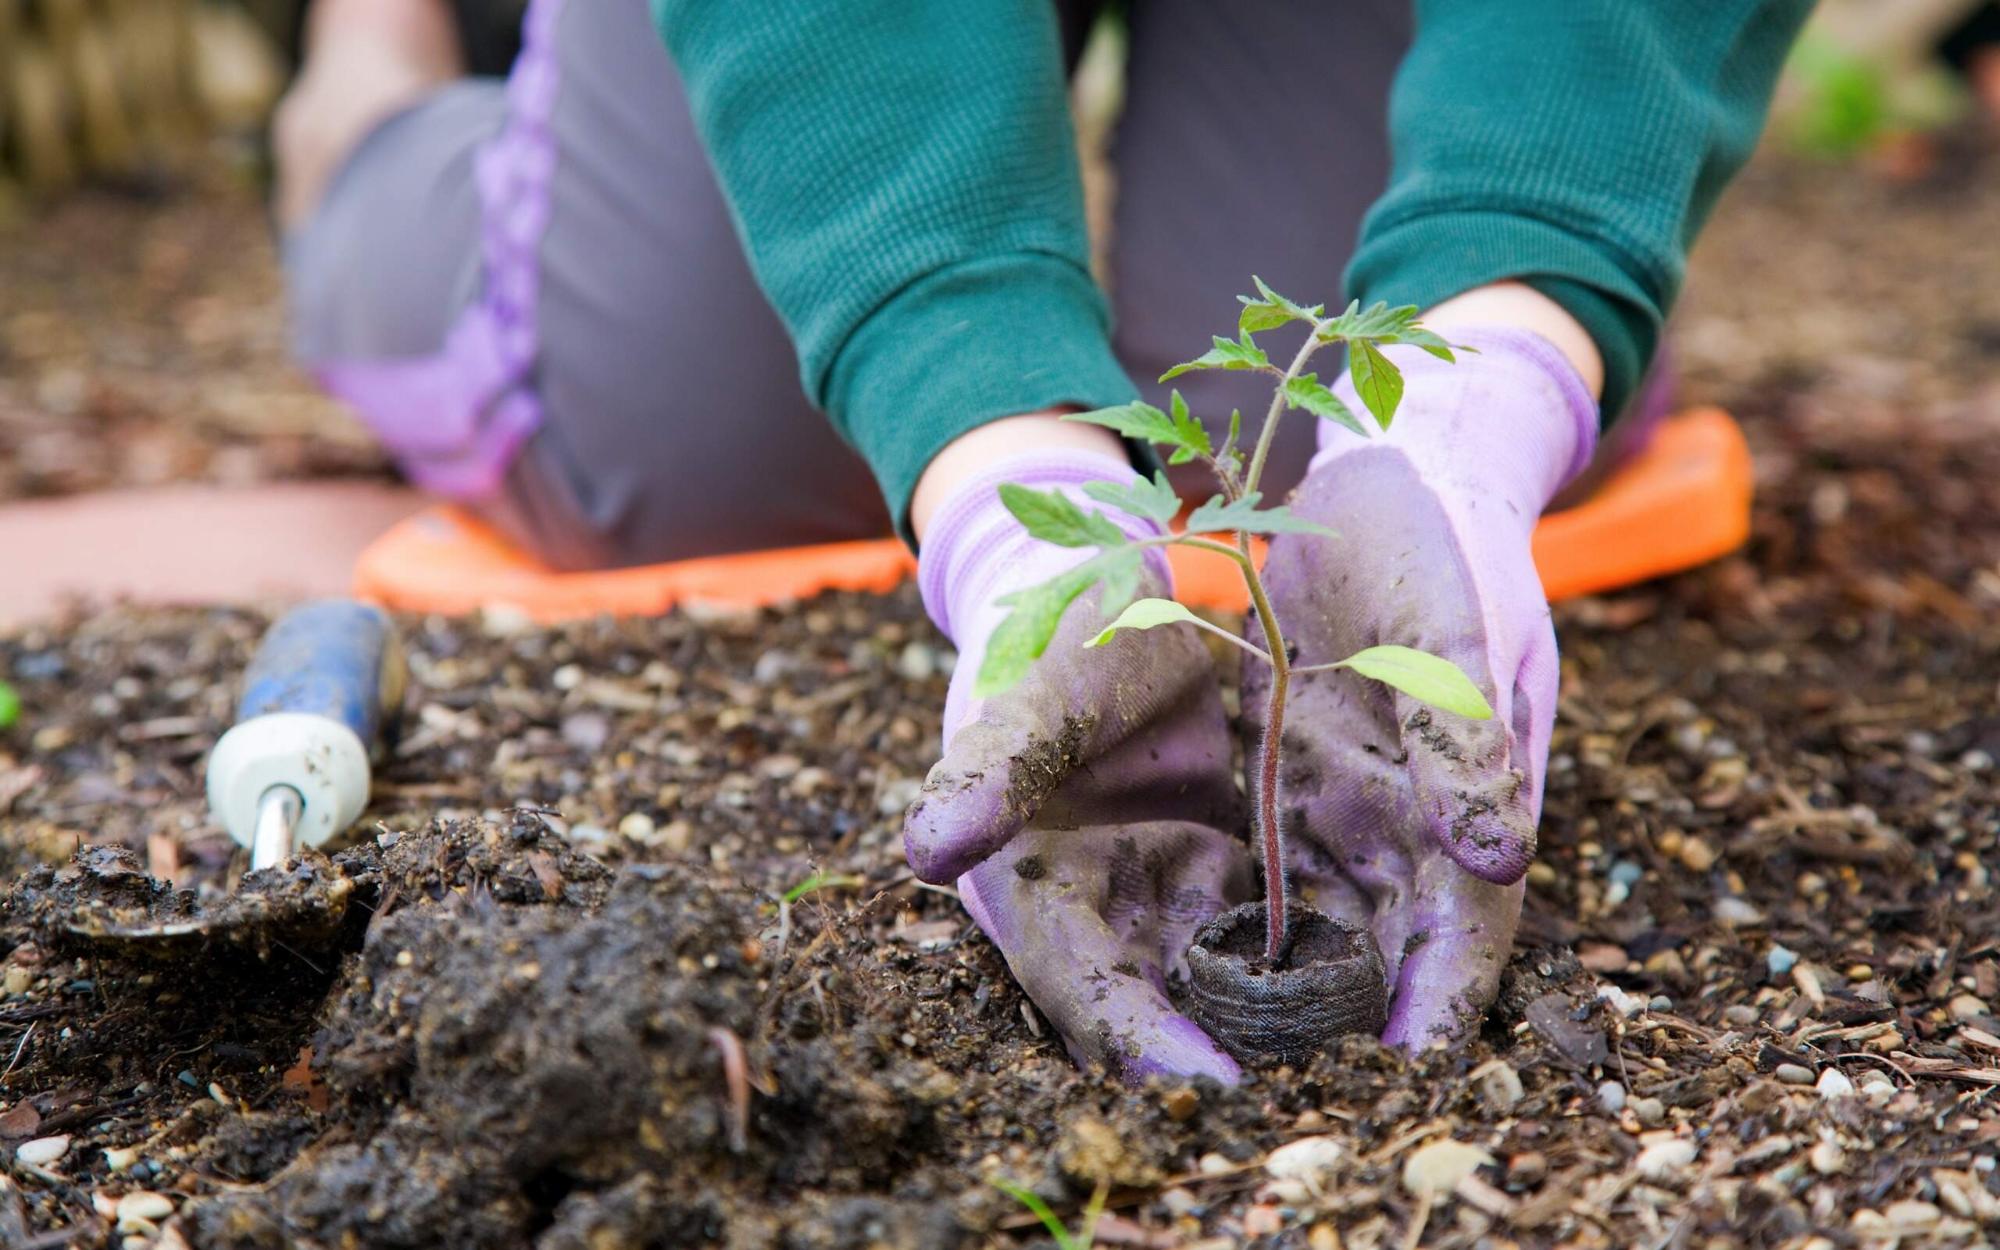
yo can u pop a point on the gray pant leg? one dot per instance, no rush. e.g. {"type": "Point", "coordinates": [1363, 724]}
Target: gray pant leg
{"type": "Point", "coordinates": [1254, 139]}
{"type": "Point", "coordinates": [672, 419]}
{"type": "Point", "coordinates": [675, 424]}
{"type": "Point", "coordinates": [391, 256]}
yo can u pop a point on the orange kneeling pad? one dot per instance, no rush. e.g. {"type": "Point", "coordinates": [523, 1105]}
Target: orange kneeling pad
{"type": "Point", "coordinates": [1682, 501]}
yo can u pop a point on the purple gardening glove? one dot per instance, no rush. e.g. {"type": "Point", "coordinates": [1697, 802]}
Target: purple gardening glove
{"type": "Point", "coordinates": [1414, 822]}
{"type": "Point", "coordinates": [1084, 812]}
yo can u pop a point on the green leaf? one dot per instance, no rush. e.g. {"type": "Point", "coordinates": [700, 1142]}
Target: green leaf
{"type": "Point", "coordinates": [1192, 435]}
{"type": "Point", "coordinates": [1242, 354]}
{"type": "Point", "coordinates": [1054, 518]}
{"type": "Point", "coordinates": [1041, 1211]}
{"type": "Point", "coordinates": [1377, 321]}
{"type": "Point", "coordinates": [1377, 380]}
{"type": "Point", "coordinates": [1244, 516]}
{"type": "Point", "coordinates": [10, 705]}
{"type": "Point", "coordinates": [1419, 337]}
{"type": "Point", "coordinates": [1136, 420]}
{"type": "Point", "coordinates": [1421, 675]}
{"type": "Point", "coordinates": [1270, 310]}
{"type": "Point", "coordinates": [822, 881]}
{"type": "Point", "coordinates": [1145, 614]}
{"type": "Point", "coordinates": [1308, 392]}
{"type": "Point", "coordinates": [1154, 500]}
{"type": "Point", "coordinates": [1149, 425]}
{"type": "Point", "coordinates": [1382, 325]}
{"type": "Point", "coordinates": [1024, 634]}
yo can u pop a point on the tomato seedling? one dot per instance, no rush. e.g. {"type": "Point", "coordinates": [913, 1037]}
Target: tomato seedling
{"type": "Point", "coordinates": [1224, 526]}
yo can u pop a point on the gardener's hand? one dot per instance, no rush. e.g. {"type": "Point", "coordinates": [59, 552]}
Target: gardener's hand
{"type": "Point", "coordinates": [1083, 812]}
{"type": "Point", "coordinates": [1414, 822]}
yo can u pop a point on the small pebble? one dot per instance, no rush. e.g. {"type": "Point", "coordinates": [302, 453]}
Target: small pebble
{"type": "Point", "coordinates": [1627, 873]}
{"type": "Point", "coordinates": [1780, 960]}
{"type": "Point", "coordinates": [1500, 1085]}
{"type": "Point", "coordinates": [1877, 1089]}
{"type": "Point", "coordinates": [1213, 1164]}
{"type": "Point", "coordinates": [1651, 1111]}
{"type": "Point", "coordinates": [638, 827]}
{"type": "Point", "coordinates": [1626, 1005]}
{"type": "Point", "coordinates": [1736, 912]}
{"type": "Point", "coordinates": [1967, 1007]}
{"type": "Point", "coordinates": [1793, 1074]}
{"type": "Point", "coordinates": [1660, 1002]}
{"type": "Point", "coordinates": [1180, 1202]}
{"type": "Point", "coordinates": [1528, 1168]}
{"type": "Point", "coordinates": [1697, 855]}
{"type": "Point", "coordinates": [43, 1150]}
{"type": "Point", "coordinates": [144, 1204]}
{"type": "Point", "coordinates": [1180, 1103]}
{"type": "Point", "coordinates": [1438, 1167]}
{"type": "Point", "coordinates": [1309, 1160]}
{"type": "Point", "coordinates": [1611, 1096]}
{"type": "Point", "coordinates": [1827, 1157]}
{"type": "Point", "coordinates": [1262, 1221]}
{"type": "Point", "coordinates": [1833, 1083]}
{"type": "Point", "coordinates": [1740, 1015]}
{"type": "Point", "coordinates": [917, 662]}
{"type": "Point", "coordinates": [1912, 1216]}
{"type": "Point", "coordinates": [120, 1158]}
{"type": "Point", "coordinates": [1663, 1160]}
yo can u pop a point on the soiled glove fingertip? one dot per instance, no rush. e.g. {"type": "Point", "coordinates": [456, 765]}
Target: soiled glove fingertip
{"type": "Point", "coordinates": [1489, 832]}
{"type": "Point", "coordinates": [1179, 1051]}
{"type": "Point", "coordinates": [954, 824]}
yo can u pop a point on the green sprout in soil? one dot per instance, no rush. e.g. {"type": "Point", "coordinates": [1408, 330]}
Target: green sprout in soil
{"type": "Point", "coordinates": [1052, 517]}
{"type": "Point", "coordinates": [1085, 1235]}
{"type": "Point", "coordinates": [821, 881]}
{"type": "Point", "coordinates": [10, 705]}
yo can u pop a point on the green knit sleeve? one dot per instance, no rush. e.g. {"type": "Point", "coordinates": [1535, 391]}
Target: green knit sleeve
{"type": "Point", "coordinates": [905, 181]}
{"type": "Point", "coordinates": [1577, 145]}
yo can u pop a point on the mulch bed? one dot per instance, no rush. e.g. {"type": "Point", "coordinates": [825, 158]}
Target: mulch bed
{"type": "Point", "coordinates": [635, 960]}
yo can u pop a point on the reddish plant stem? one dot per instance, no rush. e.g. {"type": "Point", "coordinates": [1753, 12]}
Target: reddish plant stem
{"type": "Point", "coordinates": [1270, 831]}
{"type": "Point", "coordinates": [1277, 906]}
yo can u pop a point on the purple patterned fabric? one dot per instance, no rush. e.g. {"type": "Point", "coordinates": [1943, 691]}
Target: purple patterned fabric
{"type": "Point", "coordinates": [456, 420]}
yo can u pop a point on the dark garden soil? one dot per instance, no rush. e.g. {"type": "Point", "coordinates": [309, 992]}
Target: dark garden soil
{"type": "Point", "coordinates": [556, 995]}
{"type": "Point", "coordinates": [142, 338]}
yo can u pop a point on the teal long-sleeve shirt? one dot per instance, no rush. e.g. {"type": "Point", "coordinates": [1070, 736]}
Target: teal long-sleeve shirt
{"type": "Point", "coordinates": [905, 181]}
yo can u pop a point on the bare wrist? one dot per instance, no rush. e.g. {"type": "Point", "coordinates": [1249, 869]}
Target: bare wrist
{"type": "Point", "coordinates": [1521, 306]}
{"type": "Point", "coordinates": [973, 450]}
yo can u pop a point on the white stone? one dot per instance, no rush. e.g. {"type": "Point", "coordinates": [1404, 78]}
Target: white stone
{"type": "Point", "coordinates": [1911, 1216]}
{"type": "Point", "coordinates": [1611, 1096]}
{"type": "Point", "coordinates": [1499, 1084]}
{"type": "Point", "coordinates": [1833, 1083]}
{"type": "Point", "coordinates": [43, 1150]}
{"type": "Point", "coordinates": [1437, 1168]}
{"type": "Point", "coordinates": [1309, 1160]}
{"type": "Point", "coordinates": [1734, 911]}
{"type": "Point", "coordinates": [1618, 1000]}
{"type": "Point", "coordinates": [1664, 1160]}
{"type": "Point", "coordinates": [144, 1204]}
{"type": "Point", "coordinates": [1827, 1157]}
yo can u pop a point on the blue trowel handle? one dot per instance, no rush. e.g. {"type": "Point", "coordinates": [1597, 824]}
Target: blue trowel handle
{"type": "Point", "coordinates": [336, 658]}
